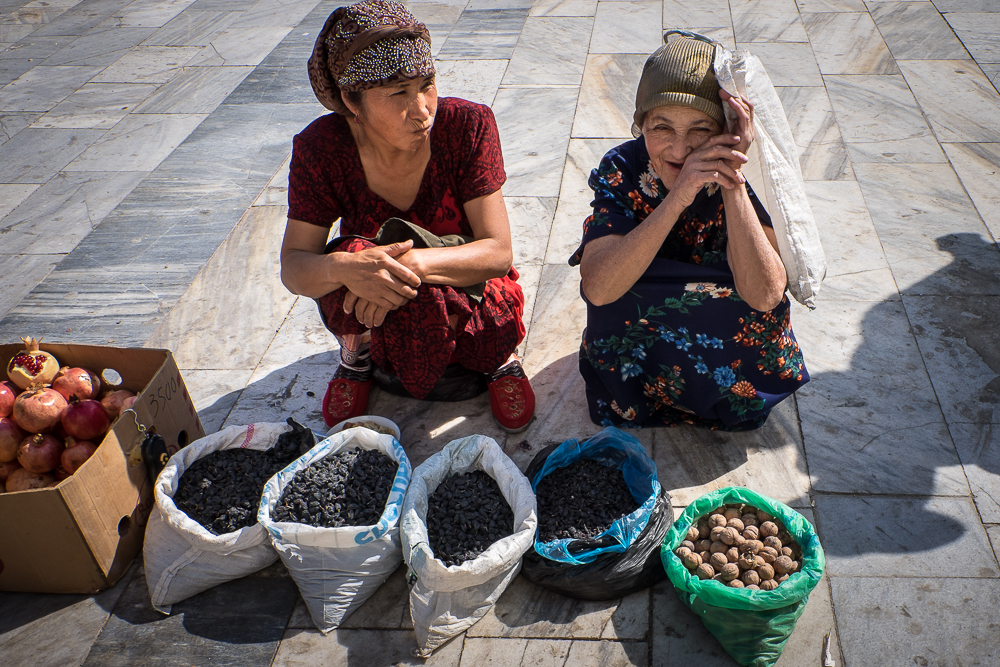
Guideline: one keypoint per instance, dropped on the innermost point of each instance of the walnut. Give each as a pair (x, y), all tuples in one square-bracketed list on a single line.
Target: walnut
[(747, 561), (782, 579), (763, 516), (717, 532), (751, 532), (730, 571), (716, 520), (765, 571), (718, 577), (733, 554), (736, 523), (767, 554), (768, 585), (718, 561), (732, 513), (703, 529), (682, 552), (691, 561), (753, 546), (784, 565), (719, 547), (749, 519), (717, 510), (787, 551), (703, 545), (735, 583), (692, 534), (704, 571), (753, 587), (689, 544), (750, 578), (773, 542), (768, 529), (705, 555), (729, 535), (739, 539)]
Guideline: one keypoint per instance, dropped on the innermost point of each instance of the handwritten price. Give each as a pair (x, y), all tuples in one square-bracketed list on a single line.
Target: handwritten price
[(162, 396)]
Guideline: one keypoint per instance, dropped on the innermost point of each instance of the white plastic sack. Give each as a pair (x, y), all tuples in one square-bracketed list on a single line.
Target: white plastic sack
[(446, 601), (773, 170), (337, 569), (181, 558)]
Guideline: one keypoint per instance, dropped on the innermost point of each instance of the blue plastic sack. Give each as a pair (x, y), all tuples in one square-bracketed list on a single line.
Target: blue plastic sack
[(615, 449)]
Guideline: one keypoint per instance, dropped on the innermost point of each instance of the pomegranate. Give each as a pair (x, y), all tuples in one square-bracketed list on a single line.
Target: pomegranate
[(76, 454), (11, 436), (8, 392), (113, 401), (60, 474), (76, 383), (40, 453), (25, 480), (39, 409), (85, 420), (7, 468), (32, 366), (128, 403)]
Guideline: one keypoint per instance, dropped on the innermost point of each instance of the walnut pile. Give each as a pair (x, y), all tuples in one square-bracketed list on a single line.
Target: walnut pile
[(742, 547)]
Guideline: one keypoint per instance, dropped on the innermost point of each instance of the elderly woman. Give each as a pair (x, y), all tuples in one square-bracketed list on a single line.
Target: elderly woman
[(418, 286), (687, 321)]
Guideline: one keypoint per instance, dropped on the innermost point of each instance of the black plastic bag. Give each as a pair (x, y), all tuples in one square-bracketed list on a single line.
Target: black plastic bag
[(610, 575)]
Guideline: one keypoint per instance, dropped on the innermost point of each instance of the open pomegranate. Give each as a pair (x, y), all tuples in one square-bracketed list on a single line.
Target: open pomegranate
[(76, 454), (113, 401), (8, 392), (25, 480), (40, 453), (11, 437), (39, 409), (85, 420), (76, 383), (32, 366)]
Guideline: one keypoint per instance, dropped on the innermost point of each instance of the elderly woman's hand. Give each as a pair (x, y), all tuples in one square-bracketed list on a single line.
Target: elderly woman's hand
[(713, 162), (744, 121)]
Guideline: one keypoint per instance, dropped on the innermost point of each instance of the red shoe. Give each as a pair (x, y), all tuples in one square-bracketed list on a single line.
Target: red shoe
[(345, 398), (512, 400)]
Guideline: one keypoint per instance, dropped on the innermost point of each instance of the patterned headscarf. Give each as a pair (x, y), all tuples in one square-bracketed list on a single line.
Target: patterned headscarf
[(371, 43)]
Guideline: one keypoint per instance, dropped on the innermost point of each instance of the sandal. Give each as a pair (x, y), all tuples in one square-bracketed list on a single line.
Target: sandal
[(346, 396), (511, 398)]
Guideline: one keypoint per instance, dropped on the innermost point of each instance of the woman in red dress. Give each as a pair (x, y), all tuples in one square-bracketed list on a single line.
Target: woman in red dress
[(418, 287)]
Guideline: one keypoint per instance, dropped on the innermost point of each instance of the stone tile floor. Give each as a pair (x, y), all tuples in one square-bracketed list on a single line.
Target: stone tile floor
[(143, 171)]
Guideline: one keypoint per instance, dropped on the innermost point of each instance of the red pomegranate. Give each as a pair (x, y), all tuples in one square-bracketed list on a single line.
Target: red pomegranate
[(60, 474), (25, 480), (78, 383), (8, 392), (40, 453), (7, 468), (85, 420), (32, 366), (76, 454), (113, 401), (39, 409), (11, 437)]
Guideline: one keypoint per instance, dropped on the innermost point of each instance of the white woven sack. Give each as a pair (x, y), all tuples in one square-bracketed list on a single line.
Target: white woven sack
[(773, 172), (180, 557), (337, 569), (446, 601)]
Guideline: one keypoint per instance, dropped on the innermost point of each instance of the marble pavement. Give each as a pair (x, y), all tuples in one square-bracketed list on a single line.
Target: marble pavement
[(143, 180)]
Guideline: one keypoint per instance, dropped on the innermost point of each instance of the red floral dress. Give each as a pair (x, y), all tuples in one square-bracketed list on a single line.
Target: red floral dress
[(327, 182)]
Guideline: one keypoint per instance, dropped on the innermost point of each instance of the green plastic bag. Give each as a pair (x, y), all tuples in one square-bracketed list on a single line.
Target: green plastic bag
[(752, 626)]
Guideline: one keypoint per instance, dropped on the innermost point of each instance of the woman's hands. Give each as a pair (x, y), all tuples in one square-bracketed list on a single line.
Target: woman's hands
[(713, 162), (744, 120), (379, 283)]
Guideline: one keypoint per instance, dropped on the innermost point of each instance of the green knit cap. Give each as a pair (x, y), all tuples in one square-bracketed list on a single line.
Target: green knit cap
[(679, 73)]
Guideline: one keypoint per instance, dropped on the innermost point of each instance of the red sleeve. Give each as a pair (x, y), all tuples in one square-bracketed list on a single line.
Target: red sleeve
[(480, 171), (311, 197)]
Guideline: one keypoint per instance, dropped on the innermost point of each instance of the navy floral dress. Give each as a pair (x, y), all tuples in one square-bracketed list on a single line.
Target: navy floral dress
[(681, 346)]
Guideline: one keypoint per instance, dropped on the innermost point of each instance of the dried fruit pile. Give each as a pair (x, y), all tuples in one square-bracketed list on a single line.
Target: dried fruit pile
[(221, 490), (740, 546), (345, 489), (581, 500), (465, 515)]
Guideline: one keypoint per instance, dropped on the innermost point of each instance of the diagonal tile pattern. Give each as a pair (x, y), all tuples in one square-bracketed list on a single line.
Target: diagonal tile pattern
[(143, 179)]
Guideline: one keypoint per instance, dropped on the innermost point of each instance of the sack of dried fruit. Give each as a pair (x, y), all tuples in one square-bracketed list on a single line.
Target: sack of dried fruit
[(602, 503), (203, 528), (747, 572), (333, 517), (459, 500)]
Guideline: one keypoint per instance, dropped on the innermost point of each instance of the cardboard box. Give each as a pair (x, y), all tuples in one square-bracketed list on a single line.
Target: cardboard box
[(81, 536)]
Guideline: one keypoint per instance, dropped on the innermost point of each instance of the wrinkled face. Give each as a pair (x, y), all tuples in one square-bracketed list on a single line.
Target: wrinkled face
[(672, 134), (401, 114)]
